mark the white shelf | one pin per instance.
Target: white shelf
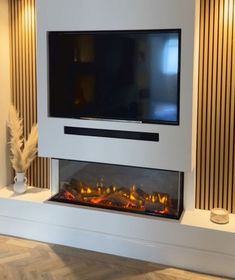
(32, 194)
(201, 219)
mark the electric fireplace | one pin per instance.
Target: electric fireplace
(123, 188)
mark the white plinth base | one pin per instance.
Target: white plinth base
(193, 243)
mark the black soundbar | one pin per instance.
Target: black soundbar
(132, 135)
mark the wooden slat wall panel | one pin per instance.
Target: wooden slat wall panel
(215, 167)
(215, 175)
(23, 69)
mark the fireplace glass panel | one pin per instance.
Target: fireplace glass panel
(124, 188)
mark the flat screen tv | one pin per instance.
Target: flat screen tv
(115, 75)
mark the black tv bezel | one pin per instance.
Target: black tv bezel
(99, 118)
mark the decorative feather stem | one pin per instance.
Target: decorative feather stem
(30, 147)
(22, 152)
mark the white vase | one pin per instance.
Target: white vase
(20, 185)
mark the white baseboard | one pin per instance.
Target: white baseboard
(146, 238)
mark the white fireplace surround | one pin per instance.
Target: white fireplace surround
(175, 150)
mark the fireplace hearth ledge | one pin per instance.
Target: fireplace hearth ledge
(192, 243)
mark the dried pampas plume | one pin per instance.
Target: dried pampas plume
(22, 152)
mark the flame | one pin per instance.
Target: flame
(163, 199)
(89, 190)
(98, 200)
(130, 205)
(166, 211)
(120, 197)
(132, 197)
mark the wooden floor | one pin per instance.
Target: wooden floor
(30, 260)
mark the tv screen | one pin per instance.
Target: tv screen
(115, 75)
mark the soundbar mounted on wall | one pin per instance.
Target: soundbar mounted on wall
(131, 135)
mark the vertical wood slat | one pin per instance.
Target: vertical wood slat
(23, 77)
(199, 119)
(231, 158)
(215, 166)
(213, 100)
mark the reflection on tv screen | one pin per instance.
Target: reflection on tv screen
(123, 75)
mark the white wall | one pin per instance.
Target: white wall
(4, 91)
(174, 151)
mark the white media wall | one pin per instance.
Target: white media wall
(175, 149)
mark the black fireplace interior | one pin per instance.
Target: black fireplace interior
(131, 189)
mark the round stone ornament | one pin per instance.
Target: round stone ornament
(219, 216)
